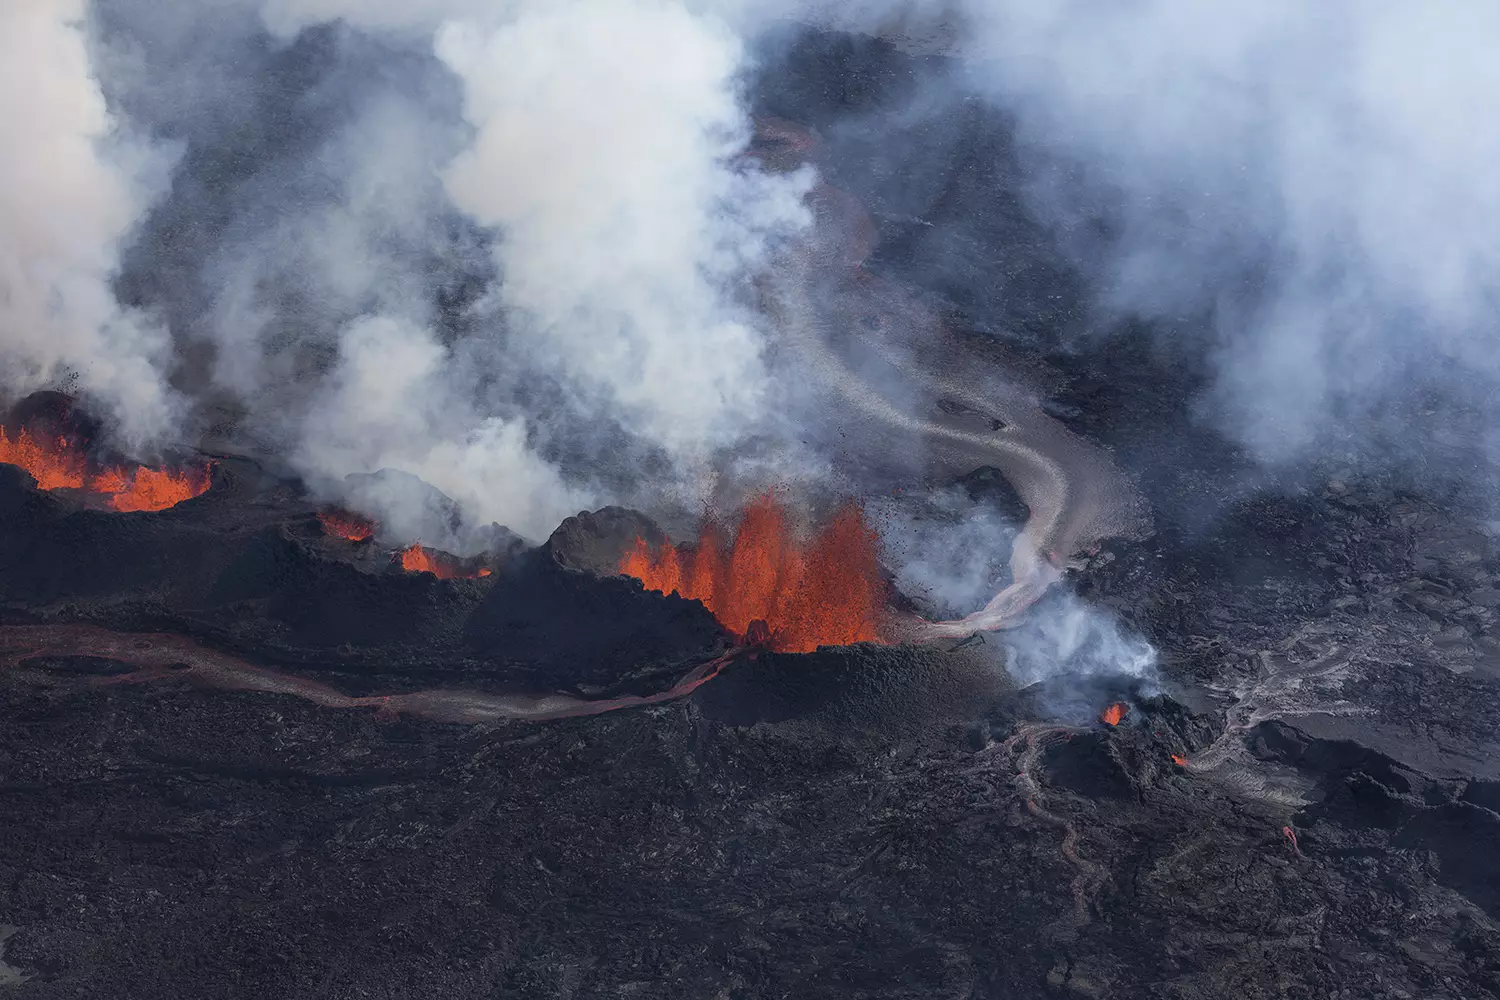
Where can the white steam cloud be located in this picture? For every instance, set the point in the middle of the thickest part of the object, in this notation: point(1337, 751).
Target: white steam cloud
point(950, 555)
point(606, 165)
point(69, 194)
point(1315, 177)
point(600, 159)
point(384, 407)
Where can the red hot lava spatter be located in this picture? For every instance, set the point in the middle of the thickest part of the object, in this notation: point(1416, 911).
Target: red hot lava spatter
point(419, 560)
point(823, 591)
point(346, 524)
point(1114, 713)
point(57, 465)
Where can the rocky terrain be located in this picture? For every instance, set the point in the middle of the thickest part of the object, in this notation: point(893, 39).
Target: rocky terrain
point(1302, 802)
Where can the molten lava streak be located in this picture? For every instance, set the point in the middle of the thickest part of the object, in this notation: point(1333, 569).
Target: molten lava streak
point(55, 465)
point(1114, 713)
point(418, 560)
point(827, 591)
point(347, 525)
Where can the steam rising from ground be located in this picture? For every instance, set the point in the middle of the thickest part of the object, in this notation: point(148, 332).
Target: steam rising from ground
point(950, 555)
point(71, 187)
point(505, 247)
point(605, 133)
point(1309, 185)
point(554, 202)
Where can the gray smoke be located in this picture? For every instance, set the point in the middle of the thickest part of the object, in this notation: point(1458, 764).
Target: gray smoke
point(950, 556)
point(1309, 185)
point(72, 187)
point(504, 247)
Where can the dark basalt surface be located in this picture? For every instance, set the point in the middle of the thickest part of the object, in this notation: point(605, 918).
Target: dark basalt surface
point(871, 821)
point(246, 567)
point(866, 822)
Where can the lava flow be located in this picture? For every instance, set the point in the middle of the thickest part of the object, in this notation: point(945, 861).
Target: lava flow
point(347, 525)
point(824, 592)
point(1114, 713)
point(419, 560)
point(57, 465)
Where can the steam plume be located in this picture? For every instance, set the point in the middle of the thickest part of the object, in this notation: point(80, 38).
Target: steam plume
point(1310, 185)
point(70, 191)
point(599, 177)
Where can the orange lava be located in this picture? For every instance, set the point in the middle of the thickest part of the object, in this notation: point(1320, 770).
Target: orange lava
point(1179, 760)
point(418, 560)
point(827, 591)
point(1114, 713)
point(55, 465)
point(158, 489)
point(345, 524)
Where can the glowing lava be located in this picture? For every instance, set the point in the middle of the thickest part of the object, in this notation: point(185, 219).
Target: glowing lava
point(56, 465)
point(1179, 760)
point(347, 525)
point(418, 560)
point(824, 592)
point(1114, 713)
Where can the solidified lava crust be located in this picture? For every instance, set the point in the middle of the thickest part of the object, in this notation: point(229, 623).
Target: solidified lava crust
point(212, 786)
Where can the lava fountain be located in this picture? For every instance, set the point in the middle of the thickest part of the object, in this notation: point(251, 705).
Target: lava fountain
point(55, 464)
point(823, 591)
point(419, 560)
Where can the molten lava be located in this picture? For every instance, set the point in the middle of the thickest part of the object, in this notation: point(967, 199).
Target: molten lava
point(1114, 713)
point(56, 465)
point(418, 560)
point(824, 592)
point(1179, 760)
point(347, 525)
point(154, 489)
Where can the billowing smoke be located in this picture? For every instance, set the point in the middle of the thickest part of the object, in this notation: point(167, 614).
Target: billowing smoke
point(387, 405)
point(950, 556)
point(72, 187)
point(504, 247)
point(607, 167)
point(945, 551)
point(1307, 184)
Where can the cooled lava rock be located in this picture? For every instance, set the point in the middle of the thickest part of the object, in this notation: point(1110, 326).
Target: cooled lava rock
point(247, 567)
point(1302, 802)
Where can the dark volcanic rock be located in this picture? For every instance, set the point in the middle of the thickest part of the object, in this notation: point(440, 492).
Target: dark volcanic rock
point(594, 542)
point(246, 566)
point(1309, 809)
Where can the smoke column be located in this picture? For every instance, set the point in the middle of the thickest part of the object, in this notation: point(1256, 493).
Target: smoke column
point(69, 194)
point(616, 333)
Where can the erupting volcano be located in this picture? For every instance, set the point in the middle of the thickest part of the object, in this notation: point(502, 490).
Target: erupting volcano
point(826, 591)
point(57, 465)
